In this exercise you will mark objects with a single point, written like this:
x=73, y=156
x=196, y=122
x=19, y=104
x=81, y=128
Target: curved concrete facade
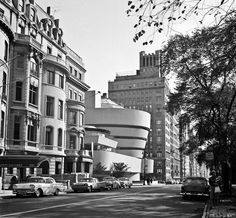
x=107, y=159
x=128, y=127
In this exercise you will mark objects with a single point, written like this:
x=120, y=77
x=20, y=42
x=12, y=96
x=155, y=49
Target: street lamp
x=144, y=169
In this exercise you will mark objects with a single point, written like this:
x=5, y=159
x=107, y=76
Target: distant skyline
x=102, y=34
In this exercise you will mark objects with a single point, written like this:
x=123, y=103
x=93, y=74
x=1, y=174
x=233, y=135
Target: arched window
x=49, y=135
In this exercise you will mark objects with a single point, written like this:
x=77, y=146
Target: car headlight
x=32, y=187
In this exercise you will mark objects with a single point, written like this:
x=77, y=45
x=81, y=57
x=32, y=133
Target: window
x=59, y=56
x=81, y=120
x=75, y=96
x=70, y=94
x=72, y=144
x=33, y=95
x=32, y=14
x=22, y=29
x=49, y=136
x=76, y=73
x=21, y=5
x=59, y=138
x=32, y=131
x=17, y=121
x=80, y=97
x=81, y=141
x=60, y=109
x=18, y=91
x=71, y=69
x=73, y=117
x=50, y=106
x=2, y=124
x=4, y=84
x=159, y=154
x=61, y=81
x=33, y=67
x=49, y=50
x=51, y=77
x=80, y=76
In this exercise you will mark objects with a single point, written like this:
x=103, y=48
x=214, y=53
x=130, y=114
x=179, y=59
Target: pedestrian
x=13, y=181
x=148, y=181
x=213, y=184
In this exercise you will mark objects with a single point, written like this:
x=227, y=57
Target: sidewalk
x=4, y=193
x=225, y=208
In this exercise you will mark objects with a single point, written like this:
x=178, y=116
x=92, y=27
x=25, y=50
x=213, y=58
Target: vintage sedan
x=112, y=182
x=38, y=186
x=125, y=182
x=88, y=184
x=195, y=186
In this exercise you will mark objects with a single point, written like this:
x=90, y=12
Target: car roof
x=195, y=177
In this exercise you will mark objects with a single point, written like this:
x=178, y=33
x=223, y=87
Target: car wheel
x=90, y=189
x=18, y=195
x=56, y=193
x=38, y=193
x=184, y=197
x=75, y=191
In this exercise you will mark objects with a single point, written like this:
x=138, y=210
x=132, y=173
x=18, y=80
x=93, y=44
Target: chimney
x=49, y=10
x=104, y=95
x=56, y=23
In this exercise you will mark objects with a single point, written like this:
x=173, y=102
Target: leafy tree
x=160, y=16
x=206, y=89
x=119, y=169
x=99, y=168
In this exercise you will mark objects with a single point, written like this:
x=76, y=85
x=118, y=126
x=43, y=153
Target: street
x=139, y=201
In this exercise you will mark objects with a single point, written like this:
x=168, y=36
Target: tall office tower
x=148, y=90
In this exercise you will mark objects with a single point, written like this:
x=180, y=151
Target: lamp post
x=144, y=170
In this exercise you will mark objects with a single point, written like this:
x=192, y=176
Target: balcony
x=57, y=61
x=86, y=156
x=21, y=145
x=52, y=150
x=28, y=40
x=77, y=105
x=71, y=152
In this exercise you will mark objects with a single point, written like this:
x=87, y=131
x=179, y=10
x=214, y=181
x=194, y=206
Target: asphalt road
x=148, y=201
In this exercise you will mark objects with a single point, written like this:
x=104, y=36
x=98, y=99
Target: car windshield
x=124, y=179
x=36, y=180
x=195, y=181
x=86, y=180
x=108, y=179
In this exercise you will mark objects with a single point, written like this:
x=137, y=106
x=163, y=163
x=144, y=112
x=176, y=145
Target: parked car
x=125, y=182
x=170, y=181
x=195, y=186
x=112, y=182
x=88, y=184
x=38, y=186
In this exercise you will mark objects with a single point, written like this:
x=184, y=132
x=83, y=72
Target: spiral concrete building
x=128, y=127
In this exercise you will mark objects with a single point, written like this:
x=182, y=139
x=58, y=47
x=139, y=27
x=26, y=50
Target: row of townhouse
x=42, y=93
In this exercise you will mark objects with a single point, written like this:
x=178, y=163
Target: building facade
x=45, y=107
x=148, y=90
x=128, y=133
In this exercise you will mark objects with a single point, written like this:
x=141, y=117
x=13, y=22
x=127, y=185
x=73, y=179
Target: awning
x=22, y=161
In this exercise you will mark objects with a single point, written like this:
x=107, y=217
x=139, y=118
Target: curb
x=206, y=210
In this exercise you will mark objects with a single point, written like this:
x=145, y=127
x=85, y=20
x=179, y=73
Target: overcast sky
x=101, y=33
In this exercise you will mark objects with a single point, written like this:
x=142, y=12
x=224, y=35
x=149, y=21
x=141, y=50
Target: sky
x=102, y=34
